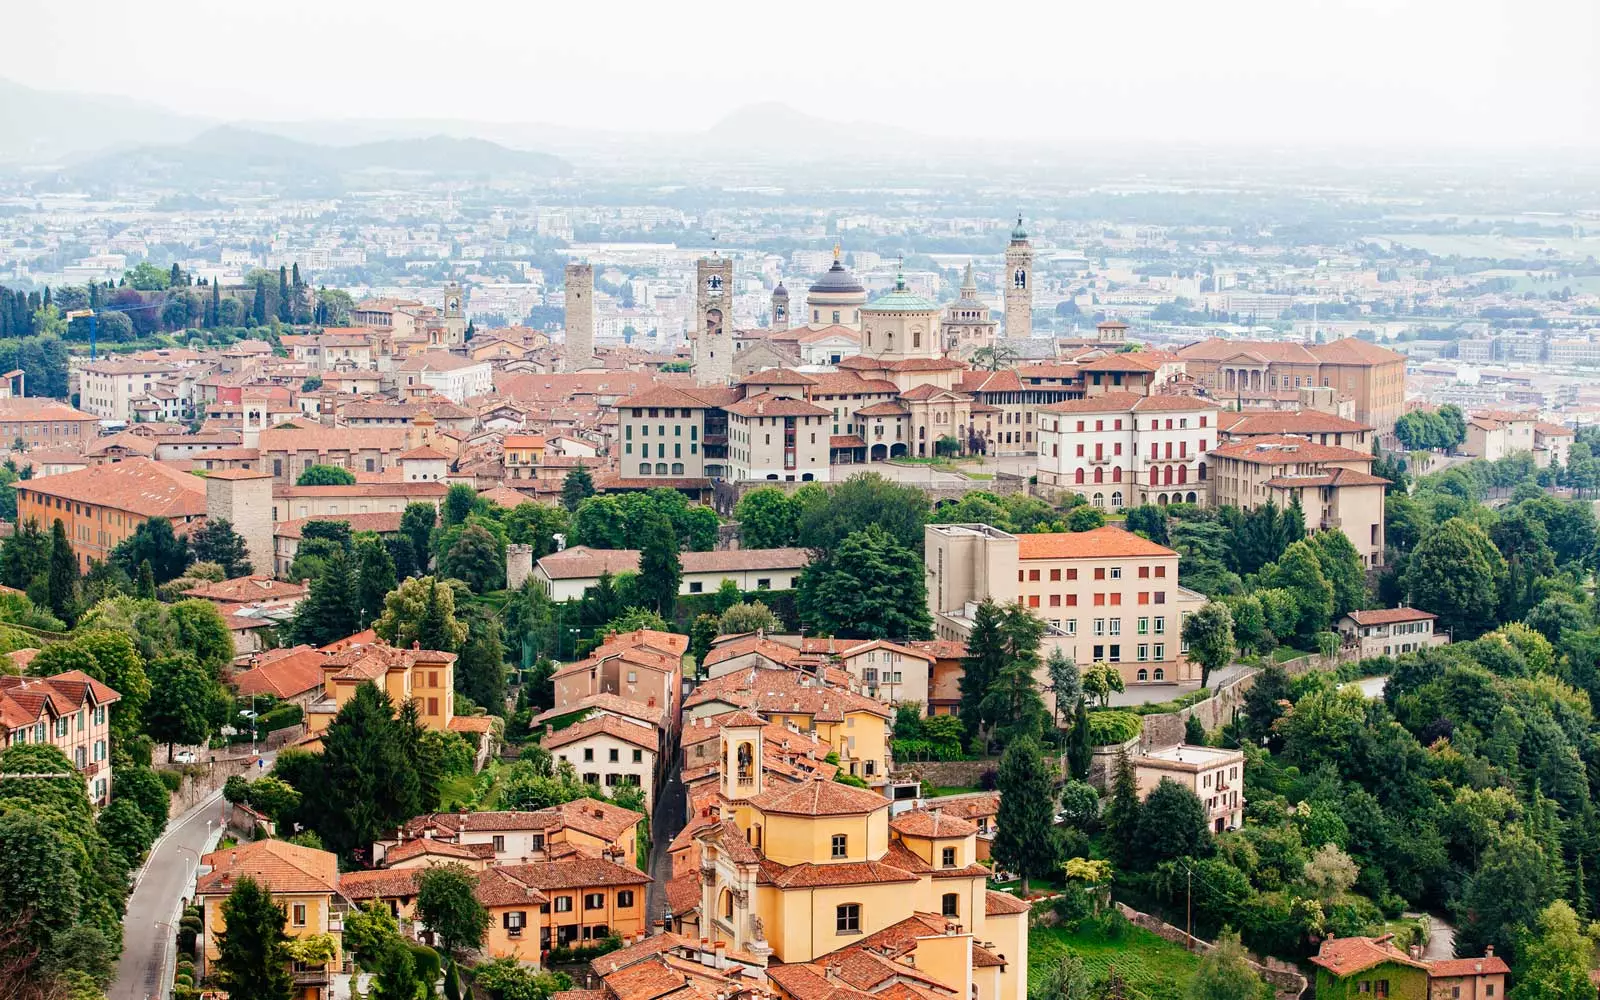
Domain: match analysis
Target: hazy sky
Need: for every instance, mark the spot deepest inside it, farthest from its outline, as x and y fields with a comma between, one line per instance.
x=1492, y=72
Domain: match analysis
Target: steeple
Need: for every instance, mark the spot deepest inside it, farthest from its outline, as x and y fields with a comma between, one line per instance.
x=969, y=283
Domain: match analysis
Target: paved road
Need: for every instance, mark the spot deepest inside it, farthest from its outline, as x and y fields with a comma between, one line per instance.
x=670, y=816
x=1372, y=687
x=1146, y=694
x=154, y=907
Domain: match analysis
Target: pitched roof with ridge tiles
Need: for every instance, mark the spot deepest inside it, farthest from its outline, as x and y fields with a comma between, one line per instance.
x=278, y=865
x=576, y=872
x=137, y=485
x=932, y=823
x=1346, y=956
x=643, y=737
x=293, y=672
x=1279, y=422
x=1105, y=542
x=1284, y=449
x=1388, y=616
x=819, y=798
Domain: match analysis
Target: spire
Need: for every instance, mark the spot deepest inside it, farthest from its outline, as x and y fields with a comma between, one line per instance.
x=1019, y=234
x=836, y=249
x=900, y=274
x=969, y=284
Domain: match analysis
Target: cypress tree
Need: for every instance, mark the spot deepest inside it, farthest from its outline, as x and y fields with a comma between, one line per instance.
x=328, y=613
x=284, y=312
x=1025, y=842
x=1080, y=752
x=660, y=569
x=63, y=577
x=147, y=580
x=1122, y=813
x=214, y=316
x=376, y=578
x=986, y=657
x=431, y=630
x=258, y=309
x=577, y=488
x=175, y=279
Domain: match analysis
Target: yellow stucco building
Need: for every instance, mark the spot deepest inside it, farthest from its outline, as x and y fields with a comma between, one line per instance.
x=798, y=872
x=303, y=881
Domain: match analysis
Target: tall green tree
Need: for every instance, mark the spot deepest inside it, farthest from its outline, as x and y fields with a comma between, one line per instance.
x=258, y=307
x=1148, y=520
x=660, y=570
x=421, y=610
x=25, y=555
x=481, y=669
x=1121, y=816
x=1341, y=565
x=417, y=522
x=1300, y=572
x=869, y=586
x=154, y=540
x=448, y=904
x=1066, y=683
x=329, y=612
x=1554, y=960
x=217, y=542
x=63, y=575
x=1080, y=749
x=768, y=517
x=326, y=475
x=184, y=700
x=1209, y=633
x=1025, y=841
x=829, y=515
x=576, y=488
x=1224, y=972
x=476, y=558
x=375, y=578
x=367, y=785
x=1455, y=573
x=1172, y=824
x=458, y=503
x=252, y=949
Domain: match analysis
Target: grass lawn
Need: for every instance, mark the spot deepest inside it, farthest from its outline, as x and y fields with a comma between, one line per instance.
x=1151, y=965
x=455, y=789
x=1283, y=653
x=935, y=790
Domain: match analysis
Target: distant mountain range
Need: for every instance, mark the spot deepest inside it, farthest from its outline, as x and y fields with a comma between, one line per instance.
x=98, y=138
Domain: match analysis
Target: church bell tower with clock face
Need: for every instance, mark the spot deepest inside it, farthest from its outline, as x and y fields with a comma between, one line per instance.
x=1019, y=285
x=713, y=340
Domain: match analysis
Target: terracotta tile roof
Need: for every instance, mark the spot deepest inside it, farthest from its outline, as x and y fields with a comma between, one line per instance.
x=767, y=405
x=137, y=485
x=1388, y=616
x=846, y=441
x=848, y=383
x=1291, y=422
x=244, y=589
x=971, y=806
x=998, y=903
x=417, y=491
x=931, y=822
x=581, y=562
x=577, y=872
x=495, y=821
x=471, y=723
x=1332, y=477
x=607, y=703
x=600, y=819
x=819, y=798
x=1105, y=542
x=506, y=887
x=1217, y=349
x=381, y=523
x=644, y=737
x=884, y=408
x=928, y=390
x=1283, y=449
x=277, y=864
x=943, y=649
x=381, y=883
x=1131, y=361
x=809, y=876
x=315, y=437
x=1487, y=966
x=769, y=649
x=1345, y=956
x=638, y=951
x=645, y=980
x=680, y=397
x=41, y=408
x=429, y=847
x=290, y=673
x=777, y=376
x=1125, y=402
x=1353, y=351
x=807, y=982
x=785, y=691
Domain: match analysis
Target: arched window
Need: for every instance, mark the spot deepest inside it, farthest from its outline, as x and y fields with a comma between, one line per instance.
x=1078, y=477
x=1168, y=480
x=1201, y=469
x=1099, y=474
x=661, y=468
x=1099, y=499
x=644, y=468
x=1162, y=500
x=1116, y=498
x=1116, y=474
x=1183, y=474
x=1020, y=278
x=1191, y=496
x=677, y=468
x=806, y=477
x=727, y=905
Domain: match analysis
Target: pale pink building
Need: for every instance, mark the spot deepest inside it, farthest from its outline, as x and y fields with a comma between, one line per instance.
x=71, y=711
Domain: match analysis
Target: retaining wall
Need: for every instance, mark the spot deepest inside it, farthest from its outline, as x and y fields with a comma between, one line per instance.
x=946, y=773
x=1286, y=980
x=1166, y=729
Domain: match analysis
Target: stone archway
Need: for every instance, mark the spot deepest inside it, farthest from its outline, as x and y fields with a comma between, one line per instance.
x=897, y=450
x=880, y=452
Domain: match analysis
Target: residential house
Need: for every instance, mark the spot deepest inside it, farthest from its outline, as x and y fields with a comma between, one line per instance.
x=1390, y=631
x=72, y=712
x=1360, y=968
x=567, y=574
x=609, y=750
x=1214, y=775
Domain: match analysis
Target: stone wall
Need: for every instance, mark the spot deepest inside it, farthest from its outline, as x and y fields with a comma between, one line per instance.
x=200, y=780
x=725, y=494
x=1286, y=980
x=945, y=773
x=1103, y=764
x=1166, y=729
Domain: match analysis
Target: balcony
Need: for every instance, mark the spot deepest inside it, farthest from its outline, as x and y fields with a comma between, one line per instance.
x=321, y=976
x=1101, y=459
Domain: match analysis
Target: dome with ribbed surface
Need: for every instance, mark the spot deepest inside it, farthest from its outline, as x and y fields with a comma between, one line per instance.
x=1018, y=233
x=837, y=280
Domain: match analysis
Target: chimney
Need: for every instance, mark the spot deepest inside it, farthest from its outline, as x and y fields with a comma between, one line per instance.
x=549, y=729
x=1488, y=951
x=722, y=954
x=416, y=644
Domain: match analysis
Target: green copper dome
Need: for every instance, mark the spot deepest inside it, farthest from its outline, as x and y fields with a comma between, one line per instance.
x=1019, y=233
x=901, y=299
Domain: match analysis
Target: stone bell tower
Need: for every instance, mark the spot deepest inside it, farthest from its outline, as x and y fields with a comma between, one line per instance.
x=780, y=307
x=741, y=756
x=713, y=341
x=1019, y=285
x=455, y=315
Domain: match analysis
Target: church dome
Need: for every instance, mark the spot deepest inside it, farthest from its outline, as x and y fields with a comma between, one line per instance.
x=901, y=299
x=837, y=280
x=1017, y=232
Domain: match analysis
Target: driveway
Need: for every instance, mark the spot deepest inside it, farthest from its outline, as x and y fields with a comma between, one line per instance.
x=150, y=927
x=670, y=816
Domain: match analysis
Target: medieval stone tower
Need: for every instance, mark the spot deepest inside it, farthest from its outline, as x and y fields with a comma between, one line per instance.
x=780, y=307
x=455, y=315
x=579, y=348
x=713, y=342
x=1019, y=285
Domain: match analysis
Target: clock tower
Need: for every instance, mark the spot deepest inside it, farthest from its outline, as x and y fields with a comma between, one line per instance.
x=1019, y=285
x=455, y=316
x=713, y=340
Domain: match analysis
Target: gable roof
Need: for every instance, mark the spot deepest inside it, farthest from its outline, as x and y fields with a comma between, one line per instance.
x=137, y=485
x=819, y=798
x=1107, y=541
x=276, y=864
x=643, y=737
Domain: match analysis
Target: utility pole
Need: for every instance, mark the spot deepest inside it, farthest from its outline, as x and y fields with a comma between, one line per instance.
x=1188, y=919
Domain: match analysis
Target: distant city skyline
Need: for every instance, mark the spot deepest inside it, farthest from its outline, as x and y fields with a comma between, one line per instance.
x=1430, y=72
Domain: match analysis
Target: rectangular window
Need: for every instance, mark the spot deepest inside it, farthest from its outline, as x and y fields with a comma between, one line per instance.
x=563, y=904
x=1099, y=626
x=1161, y=625
x=615, y=755
x=1161, y=651
x=594, y=901
x=696, y=587
x=499, y=843
x=1099, y=572
x=1144, y=651
x=948, y=857
x=847, y=919
x=297, y=914
x=1116, y=572
x=1116, y=626
x=1144, y=626
x=1055, y=575
x=638, y=755
x=588, y=753
x=840, y=845
x=624, y=898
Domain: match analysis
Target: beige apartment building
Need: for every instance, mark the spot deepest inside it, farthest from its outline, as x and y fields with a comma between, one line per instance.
x=294, y=502
x=1334, y=485
x=777, y=438
x=110, y=387
x=44, y=423
x=1391, y=631
x=288, y=451
x=1214, y=775
x=661, y=433
x=1261, y=371
x=1107, y=595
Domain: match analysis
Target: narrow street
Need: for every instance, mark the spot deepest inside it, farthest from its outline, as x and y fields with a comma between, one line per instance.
x=150, y=927
x=670, y=816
